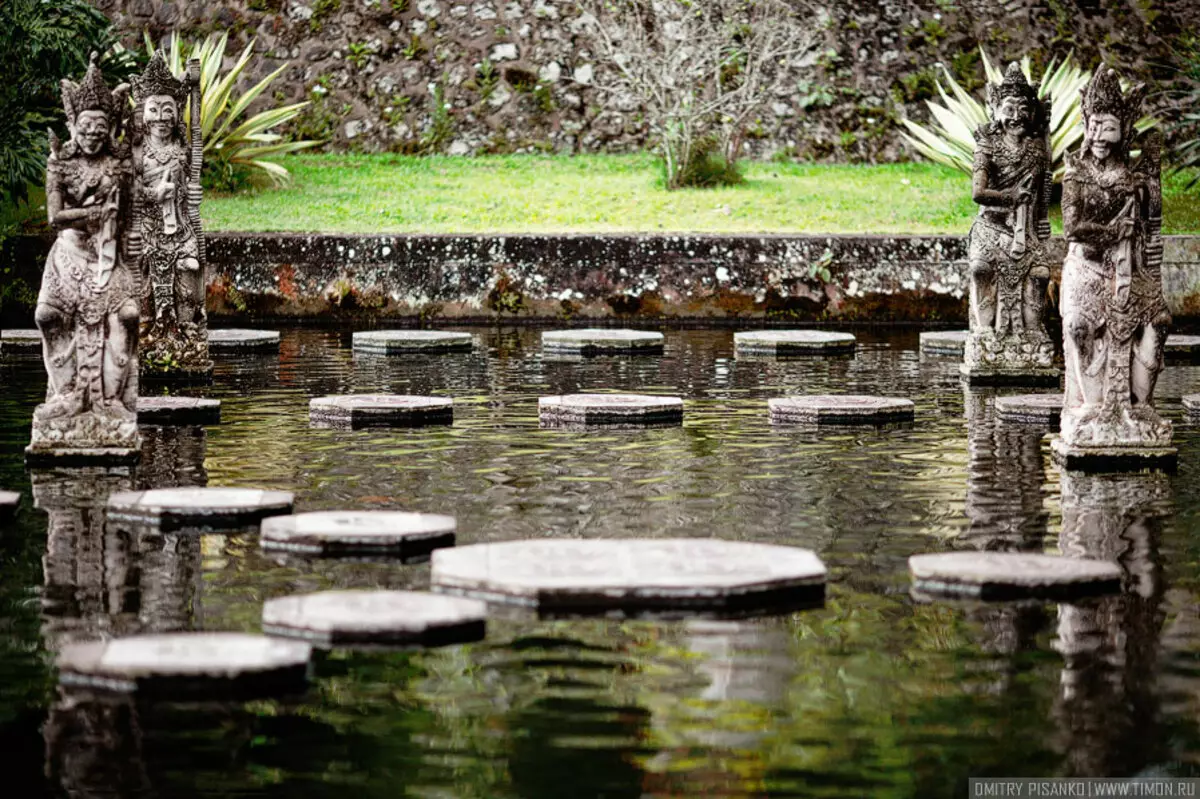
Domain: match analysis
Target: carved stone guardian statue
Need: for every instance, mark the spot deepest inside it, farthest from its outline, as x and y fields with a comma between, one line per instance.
x=1114, y=316
x=1009, y=265
x=87, y=309
x=166, y=235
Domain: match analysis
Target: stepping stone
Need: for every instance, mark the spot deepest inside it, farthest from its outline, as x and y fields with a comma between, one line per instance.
x=236, y=340
x=944, y=342
x=839, y=409
x=792, y=342
x=1042, y=409
x=20, y=340
x=191, y=411
x=201, y=509
x=380, y=410
x=1191, y=403
x=633, y=410
x=394, y=534
x=8, y=505
x=380, y=618
x=1182, y=348
x=407, y=342
x=188, y=665
x=633, y=576
x=602, y=341
x=1012, y=575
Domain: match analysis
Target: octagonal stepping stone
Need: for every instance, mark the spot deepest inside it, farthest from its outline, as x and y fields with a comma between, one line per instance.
x=1042, y=409
x=635, y=576
x=632, y=410
x=239, y=340
x=168, y=411
x=20, y=340
x=188, y=665
x=385, y=534
x=944, y=342
x=1012, y=575
x=8, y=505
x=376, y=618
x=1182, y=348
x=777, y=343
x=380, y=410
x=408, y=342
x=201, y=509
x=602, y=341
x=840, y=409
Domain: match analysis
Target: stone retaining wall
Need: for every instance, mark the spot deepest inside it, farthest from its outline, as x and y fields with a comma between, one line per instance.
x=705, y=279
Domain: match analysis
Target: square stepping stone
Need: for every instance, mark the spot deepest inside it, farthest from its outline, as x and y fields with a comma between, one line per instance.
x=602, y=341
x=944, y=342
x=781, y=343
x=634, y=576
x=1012, y=575
x=411, y=342
x=381, y=534
x=840, y=409
x=198, y=509
x=355, y=411
x=241, y=340
x=178, y=411
x=627, y=410
x=376, y=619
x=1038, y=409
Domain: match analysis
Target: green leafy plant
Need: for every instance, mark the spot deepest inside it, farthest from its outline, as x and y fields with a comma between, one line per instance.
x=1185, y=152
x=231, y=135
x=441, y=124
x=358, y=54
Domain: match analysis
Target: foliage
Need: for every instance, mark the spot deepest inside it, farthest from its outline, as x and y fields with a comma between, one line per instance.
x=441, y=124
x=699, y=70
x=233, y=138
x=706, y=167
x=1186, y=130
x=951, y=138
x=40, y=44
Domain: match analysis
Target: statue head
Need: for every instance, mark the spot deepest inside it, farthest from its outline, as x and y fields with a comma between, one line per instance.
x=1109, y=116
x=93, y=112
x=1014, y=102
x=160, y=98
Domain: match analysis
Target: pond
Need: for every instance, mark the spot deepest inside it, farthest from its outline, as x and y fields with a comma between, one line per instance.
x=876, y=693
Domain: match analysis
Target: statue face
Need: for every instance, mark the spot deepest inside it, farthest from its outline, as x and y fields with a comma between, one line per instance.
x=91, y=131
x=1104, y=133
x=160, y=114
x=1014, y=113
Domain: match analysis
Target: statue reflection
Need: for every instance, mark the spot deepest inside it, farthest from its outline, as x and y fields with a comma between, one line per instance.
x=1106, y=710
x=94, y=745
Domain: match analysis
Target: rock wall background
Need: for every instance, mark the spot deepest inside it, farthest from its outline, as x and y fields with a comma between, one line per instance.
x=411, y=75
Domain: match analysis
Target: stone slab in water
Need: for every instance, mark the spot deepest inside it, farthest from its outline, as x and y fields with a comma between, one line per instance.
x=240, y=340
x=8, y=505
x=610, y=409
x=1182, y=348
x=602, y=341
x=944, y=342
x=1191, y=403
x=792, y=342
x=1012, y=575
x=20, y=340
x=178, y=411
x=205, y=509
x=404, y=342
x=380, y=410
x=374, y=533
x=634, y=576
x=81, y=457
x=840, y=409
x=1044, y=409
x=188, y=665
x=376, y=618
x=999, y=376
x=1113, y=459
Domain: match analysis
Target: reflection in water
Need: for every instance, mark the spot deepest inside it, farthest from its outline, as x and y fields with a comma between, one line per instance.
x=1106, y=710
x=94, y=745
x=172, y=457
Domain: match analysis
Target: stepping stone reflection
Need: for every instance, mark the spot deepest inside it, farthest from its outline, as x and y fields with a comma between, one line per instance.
x=376, y=618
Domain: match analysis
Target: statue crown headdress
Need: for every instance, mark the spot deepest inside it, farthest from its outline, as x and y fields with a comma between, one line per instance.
x=91, y=93
x=1013, y=85
x=1103, y=95
x=158, y=80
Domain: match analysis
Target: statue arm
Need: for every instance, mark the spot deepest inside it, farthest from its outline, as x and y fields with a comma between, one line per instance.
x=61, y=218
x=1078, y=229
x=980, y=192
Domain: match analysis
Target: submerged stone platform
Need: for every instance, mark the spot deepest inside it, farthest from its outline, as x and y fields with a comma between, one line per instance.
x=944, y=342
x=199, y=509
x=376, y=618
x=9, y=500
x=241, y=340
x=410, y=342
x=840, y=409
x=1012, y=575
x=354, y=411
x=1182, y=348
x=1113, y=459
x=634, y=576
x=188, y=665
x=631, y=410
x=602, y=341
x=782, y=343
x=385, y=534
x=180, y=411
x=1040, y=409
x=21, y=340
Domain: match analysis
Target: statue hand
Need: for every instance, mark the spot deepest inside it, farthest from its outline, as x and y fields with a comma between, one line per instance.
x=1022, y=196
x=163, y=191
x=1125, y=227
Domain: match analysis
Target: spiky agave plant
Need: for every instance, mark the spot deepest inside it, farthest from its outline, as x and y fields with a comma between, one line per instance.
x=230, y=136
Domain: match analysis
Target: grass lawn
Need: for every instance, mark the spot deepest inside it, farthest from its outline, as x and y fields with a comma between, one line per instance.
x=606, y=193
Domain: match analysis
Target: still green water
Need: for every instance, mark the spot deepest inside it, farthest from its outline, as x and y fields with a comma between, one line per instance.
x=875, y=694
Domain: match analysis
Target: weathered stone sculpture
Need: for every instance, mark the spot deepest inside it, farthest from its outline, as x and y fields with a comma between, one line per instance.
x=1114, y=316
x=166, y=236
x=1009, y=265
x=87, y=310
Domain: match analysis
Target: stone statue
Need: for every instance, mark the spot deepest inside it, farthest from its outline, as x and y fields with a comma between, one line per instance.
x=1114, y=316
x=166, y=236
x=1009, y=265
x=87, y=310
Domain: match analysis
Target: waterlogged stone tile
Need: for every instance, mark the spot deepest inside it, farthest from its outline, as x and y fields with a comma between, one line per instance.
x=164, y=411
x=840, y=409
x=632, y=410
x=376, y=618
x=792, y=342
x=203, y=509
x=1012, y=575
x=405, y=342
x=372, y=533
x=380, y=410
x=1043, y=409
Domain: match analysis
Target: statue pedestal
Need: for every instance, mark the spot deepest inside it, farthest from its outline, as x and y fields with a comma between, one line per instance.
x=1113, y=459
x=1013, y=376
x=80, y=456
x=1014, y=359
